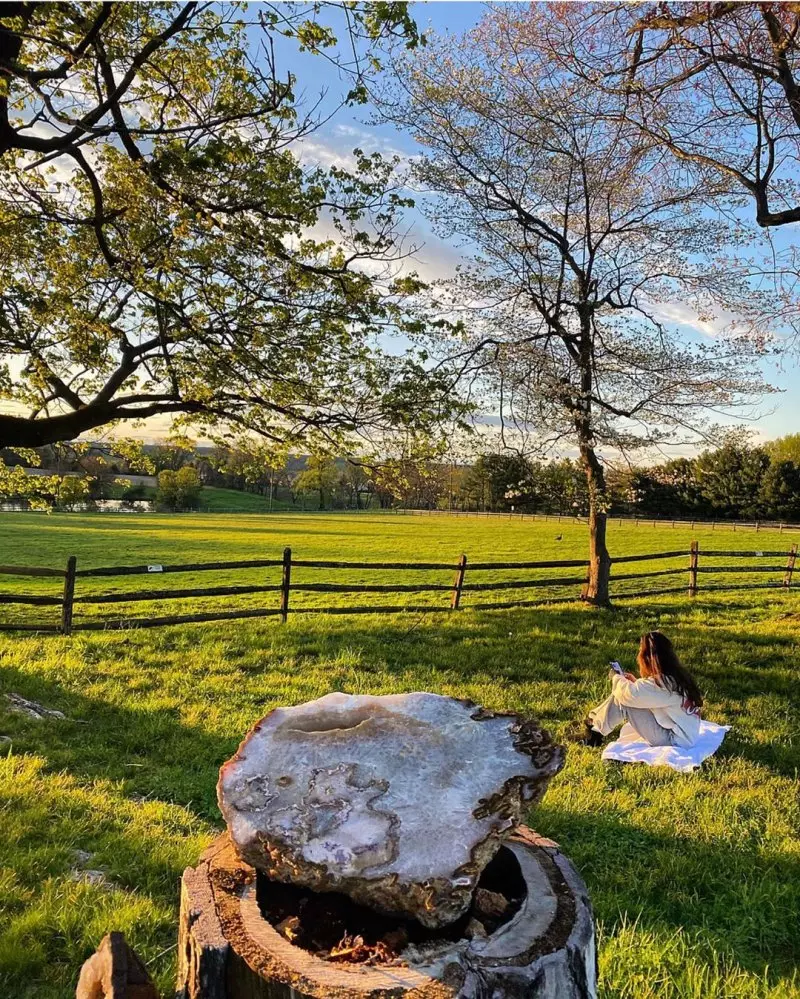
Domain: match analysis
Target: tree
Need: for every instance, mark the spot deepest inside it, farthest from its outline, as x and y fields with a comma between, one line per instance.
x=358, y=482
x=499, y=481
x=582, y=230
x=171, y=455
x=179, y=491
x=785, y=448
x=780, y=490
x=717, y=84
x=163, y=249
x=730, y=478
x=43, y=492
x=321, y=476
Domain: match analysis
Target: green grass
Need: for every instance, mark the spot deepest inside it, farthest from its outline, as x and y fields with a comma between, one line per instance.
x=695, y=878
x=216, y=500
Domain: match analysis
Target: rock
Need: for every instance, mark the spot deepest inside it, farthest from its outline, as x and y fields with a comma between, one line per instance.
x=31, y=708
x=96, y=878
x=397, y=801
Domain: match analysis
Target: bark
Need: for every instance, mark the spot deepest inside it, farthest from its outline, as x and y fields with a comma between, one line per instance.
x=227, y=950
x=115, y=971
x=596, y=590
x=597, y=585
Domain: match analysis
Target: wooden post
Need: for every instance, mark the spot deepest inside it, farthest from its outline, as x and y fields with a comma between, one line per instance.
x=286, y=582
x=694, y=553
x=69, y=595
x=115, y=970
x=787, y=576
x=458, y=583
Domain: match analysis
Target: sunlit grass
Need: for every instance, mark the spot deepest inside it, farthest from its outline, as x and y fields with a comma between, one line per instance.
x=695, y=878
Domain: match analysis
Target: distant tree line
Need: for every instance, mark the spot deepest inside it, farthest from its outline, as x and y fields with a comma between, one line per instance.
x=735, y=481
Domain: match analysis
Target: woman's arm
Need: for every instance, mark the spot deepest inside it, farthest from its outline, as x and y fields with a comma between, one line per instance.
x=644, y=693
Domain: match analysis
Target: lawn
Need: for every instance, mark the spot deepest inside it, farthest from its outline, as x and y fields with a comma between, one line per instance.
x=695, y=879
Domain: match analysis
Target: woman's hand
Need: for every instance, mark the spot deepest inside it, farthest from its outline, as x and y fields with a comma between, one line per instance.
x=630, y=676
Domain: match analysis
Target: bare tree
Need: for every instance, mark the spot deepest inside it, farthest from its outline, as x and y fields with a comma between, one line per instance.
x=717, y=84
x=585, y=236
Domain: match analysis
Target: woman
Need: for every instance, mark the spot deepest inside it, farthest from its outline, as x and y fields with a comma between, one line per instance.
x=663, y=706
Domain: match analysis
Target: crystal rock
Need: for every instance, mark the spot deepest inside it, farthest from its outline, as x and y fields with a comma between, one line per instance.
x=398, y=801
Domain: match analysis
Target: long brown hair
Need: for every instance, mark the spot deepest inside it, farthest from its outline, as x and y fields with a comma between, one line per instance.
x=658, y=660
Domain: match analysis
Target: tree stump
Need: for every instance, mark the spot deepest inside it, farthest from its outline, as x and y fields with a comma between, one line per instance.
x=228, y=950
x=114, y=971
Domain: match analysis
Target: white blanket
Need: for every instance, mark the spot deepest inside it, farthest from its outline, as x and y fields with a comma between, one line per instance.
x=630, y=748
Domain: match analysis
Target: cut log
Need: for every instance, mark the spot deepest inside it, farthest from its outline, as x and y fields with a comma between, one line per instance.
x=114, y=971
x=546, y=950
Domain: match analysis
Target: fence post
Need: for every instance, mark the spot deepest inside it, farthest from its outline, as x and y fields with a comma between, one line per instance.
x=787, y=576
x=69, y=596
x=286, y=581
x=694, y=553
x=458, y=583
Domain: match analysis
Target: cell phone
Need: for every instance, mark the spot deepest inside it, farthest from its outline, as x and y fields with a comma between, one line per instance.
x=616, y=667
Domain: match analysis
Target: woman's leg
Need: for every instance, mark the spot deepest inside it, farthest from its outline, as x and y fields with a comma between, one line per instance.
x=610, y=714
x=607, y=716
x=644, y=724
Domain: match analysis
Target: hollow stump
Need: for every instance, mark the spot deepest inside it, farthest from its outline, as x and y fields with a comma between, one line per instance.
x=228, y=950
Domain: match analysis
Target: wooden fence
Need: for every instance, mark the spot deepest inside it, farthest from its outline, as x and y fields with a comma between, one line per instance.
x=572, y=518
x=71, y=575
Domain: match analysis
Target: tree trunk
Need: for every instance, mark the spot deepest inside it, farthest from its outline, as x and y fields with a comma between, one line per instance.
x=546, y=950
x=596, y=590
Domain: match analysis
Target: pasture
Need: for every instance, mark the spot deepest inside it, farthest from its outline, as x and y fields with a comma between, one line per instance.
x=695, y=878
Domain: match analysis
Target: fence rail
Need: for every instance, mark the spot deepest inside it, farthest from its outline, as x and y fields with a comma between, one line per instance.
x=462, y=585
x=620, y=519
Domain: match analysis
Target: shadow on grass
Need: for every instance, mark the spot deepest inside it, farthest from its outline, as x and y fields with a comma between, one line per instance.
x=737, y=898
x=741, y=902
x=150, y=751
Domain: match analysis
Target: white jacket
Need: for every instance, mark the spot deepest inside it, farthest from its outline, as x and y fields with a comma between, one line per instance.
x=667, y=706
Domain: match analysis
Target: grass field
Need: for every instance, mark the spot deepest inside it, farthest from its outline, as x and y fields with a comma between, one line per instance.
x=695, y=879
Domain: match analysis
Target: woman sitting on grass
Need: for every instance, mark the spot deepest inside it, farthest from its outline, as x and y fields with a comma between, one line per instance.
x=663, y=706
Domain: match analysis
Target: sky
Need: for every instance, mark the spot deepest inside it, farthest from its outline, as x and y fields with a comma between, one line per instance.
x=349, y=127
x=779, y=413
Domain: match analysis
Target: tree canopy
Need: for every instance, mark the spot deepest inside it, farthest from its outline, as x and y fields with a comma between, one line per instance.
x=717, y=84
x=164, y=249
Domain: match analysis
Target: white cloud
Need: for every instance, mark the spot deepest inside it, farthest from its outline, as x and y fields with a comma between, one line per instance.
x=686, y=315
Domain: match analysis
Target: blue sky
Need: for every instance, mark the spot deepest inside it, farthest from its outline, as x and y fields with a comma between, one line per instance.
x=350, y=127
x=780, y=413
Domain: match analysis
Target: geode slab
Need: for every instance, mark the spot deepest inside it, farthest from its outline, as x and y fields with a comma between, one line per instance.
x=397, y=801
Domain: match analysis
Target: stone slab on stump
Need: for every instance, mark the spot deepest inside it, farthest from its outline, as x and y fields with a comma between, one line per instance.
x=397, y=801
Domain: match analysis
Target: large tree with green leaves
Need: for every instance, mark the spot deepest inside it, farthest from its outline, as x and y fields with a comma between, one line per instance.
x=163, y=247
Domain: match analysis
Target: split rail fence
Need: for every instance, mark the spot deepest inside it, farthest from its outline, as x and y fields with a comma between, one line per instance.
x=72, y=596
